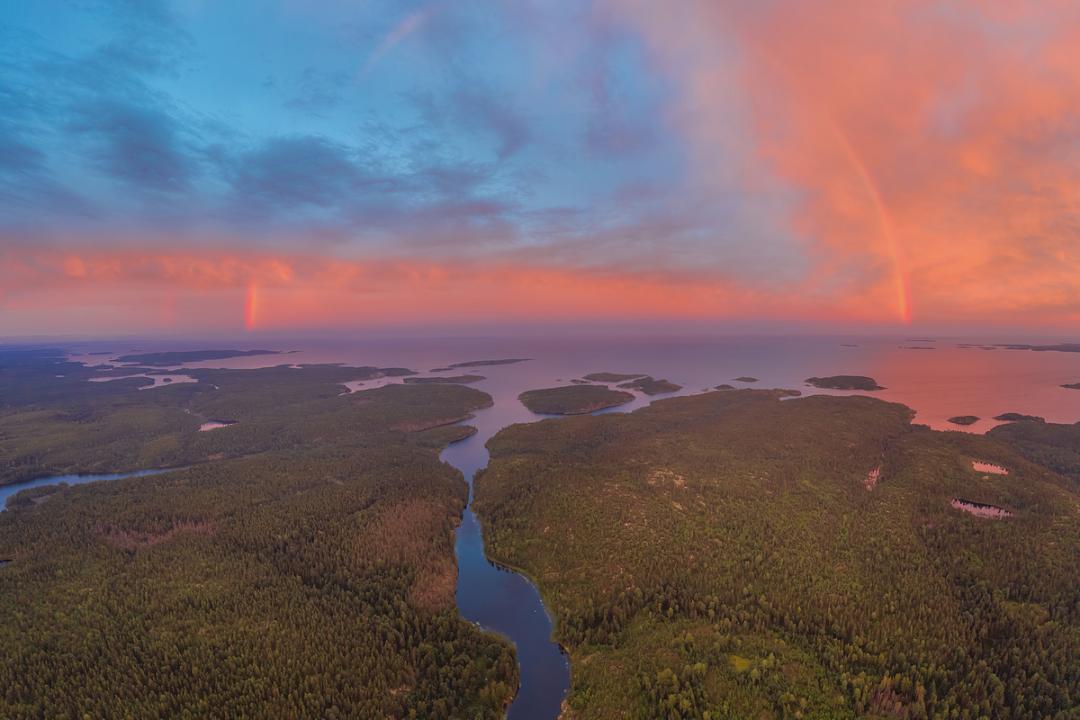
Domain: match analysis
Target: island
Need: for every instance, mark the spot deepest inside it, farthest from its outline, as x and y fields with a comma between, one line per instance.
x=178, y=357
x=484, y=363
x=724, y=386
x=1018, y=417
x=651, y=386
x=454, y=379
x=746, y=379
x=610, y=377
x=964, y=419
x=1059, y=347
x=845, y=382
x=694, y=552
x=1072, y=386
x=573, y=399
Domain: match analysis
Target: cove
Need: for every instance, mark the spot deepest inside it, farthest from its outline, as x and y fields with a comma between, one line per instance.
x=502, y=601
x=7, y=491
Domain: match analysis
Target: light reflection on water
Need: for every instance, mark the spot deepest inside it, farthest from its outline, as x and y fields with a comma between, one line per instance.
x=937, y=384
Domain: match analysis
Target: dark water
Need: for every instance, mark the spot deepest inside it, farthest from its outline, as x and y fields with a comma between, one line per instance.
x=937, y=384
x=505, y=602
x=7, y=491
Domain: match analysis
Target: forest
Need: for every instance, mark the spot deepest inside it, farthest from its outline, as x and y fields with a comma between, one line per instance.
x=573, y=399
x=298, y=564
x=734, y=555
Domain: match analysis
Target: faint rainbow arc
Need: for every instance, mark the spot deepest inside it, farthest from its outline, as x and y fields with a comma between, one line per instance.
x=903, y=292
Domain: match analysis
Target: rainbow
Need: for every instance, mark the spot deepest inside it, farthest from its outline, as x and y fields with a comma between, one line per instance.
x=900, y=279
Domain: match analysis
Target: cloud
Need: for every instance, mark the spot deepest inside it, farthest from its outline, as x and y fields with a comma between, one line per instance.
x=478, y=109
x=318, y=92
x=18, y=157
x=926, y=147
x=140, y=146
x=304, y=291
x=284, y=173
x=856, y=160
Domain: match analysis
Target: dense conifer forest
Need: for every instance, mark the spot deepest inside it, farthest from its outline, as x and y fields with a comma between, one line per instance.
x=300, y=564
x=735, y=555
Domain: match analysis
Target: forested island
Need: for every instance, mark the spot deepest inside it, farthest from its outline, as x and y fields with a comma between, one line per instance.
x=1058, y=347
x=1019, y=417
x=845, y=382
x=177, y=357
x=573, y=399
x=454, y=379
x=487, y=363
x=651, y=386
x=611, y=377
x=727, y=555
x=301, y=565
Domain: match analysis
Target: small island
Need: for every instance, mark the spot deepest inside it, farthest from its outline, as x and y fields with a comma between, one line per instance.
x=176, y=357
x=1019, y=417
x=746, y=379
x=573, y=399
x=651, y=386
x=484, y=363
x=964, y=419
x=1072, y=386
x=1059, y=347
x=455, y=379
x=845, y=382
x=724, y=386
x=610, y=377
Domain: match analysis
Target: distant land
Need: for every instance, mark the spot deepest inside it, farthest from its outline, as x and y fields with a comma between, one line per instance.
x=1060, y=347
x=611, y=377
x=174, y=357
x=1018, y=417
x=845, y=382
x=964, y=419
x=456, y=379
x=573, y=399
x=1072, y=386
x=651, y=386
x=746, y=379
x=482, y=363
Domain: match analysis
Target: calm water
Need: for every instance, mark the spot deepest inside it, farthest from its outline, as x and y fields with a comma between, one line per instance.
x=937, y=384
x=7, y=491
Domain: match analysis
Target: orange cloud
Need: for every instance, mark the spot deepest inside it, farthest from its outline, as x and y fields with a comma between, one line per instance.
x=931, y=146
x=209, y=290
x=140, y=290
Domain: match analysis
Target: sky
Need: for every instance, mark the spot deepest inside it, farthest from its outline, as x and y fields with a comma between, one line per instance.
x=245, y=166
